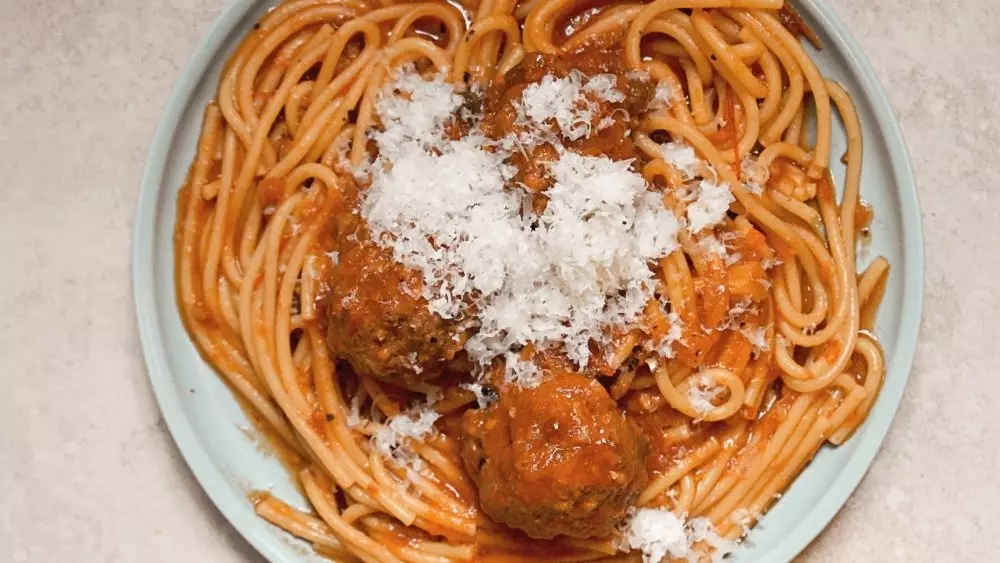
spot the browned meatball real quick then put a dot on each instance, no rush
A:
(378, 322)
(559, 459)
(502, 116)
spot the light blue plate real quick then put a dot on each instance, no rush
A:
(212, 431)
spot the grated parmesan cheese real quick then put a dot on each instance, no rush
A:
(712, 245)
(662, 96)
(665, 347)
(701, 399)
(769, 263)
(742, 518)
(362, 171)
(558, 100)
(585, 265)
(609, 120)
(757, 338)
(603, 87)
(469, 217)
(521, 372)
(564, 102)
(754, 177)
(710, 207)
(561, 278)
(745, 305)
(354, 415)
(682, 157)
(482, 399)
(417, 423)
(436, 102)
(640, 75)
(349, 298)
(657, 533)
(702, 392)
(701, 530)
(661, 536)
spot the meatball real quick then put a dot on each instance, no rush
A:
(379, 323)
(558, 459)
(503, 115)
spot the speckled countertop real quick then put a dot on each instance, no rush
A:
(87, 469)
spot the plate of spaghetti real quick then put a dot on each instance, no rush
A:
(502, 280)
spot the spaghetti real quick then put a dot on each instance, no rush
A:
(748, 348)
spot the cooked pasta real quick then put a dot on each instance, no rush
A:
(521, 280)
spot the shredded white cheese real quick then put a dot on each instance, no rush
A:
(568, 102)
(637, 75)
(739, 309)
(701, 399)
(585, 265)
(660, 535)
(412, 358)
(604, 87)
(665, 347)
(657, 533)
(710, 207)
(742, 518)
(754, 177)
(712, 245)
(362, 171)
(467, 225)
(609, 120)
(416, 114)
(482, 400)
(349, 298)
(701, 530)
(702, 392)
(432, 392)
(682, 157)
(560, 278)
(521, 372)
(662, 96)
(769, 263)
(354, 415)
(417, 423)
(757, 338)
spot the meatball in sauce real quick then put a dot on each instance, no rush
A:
(378, 321)
(557, 459)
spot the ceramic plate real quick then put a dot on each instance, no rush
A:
(218, 442)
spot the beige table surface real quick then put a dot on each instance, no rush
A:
(87, 469)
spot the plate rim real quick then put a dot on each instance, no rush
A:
(877, 428)
(209, 476)
(249, 525)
